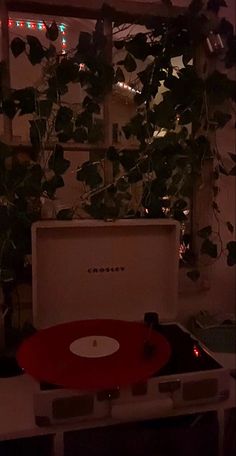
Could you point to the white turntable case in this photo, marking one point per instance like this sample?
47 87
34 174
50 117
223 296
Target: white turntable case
95 269
18 395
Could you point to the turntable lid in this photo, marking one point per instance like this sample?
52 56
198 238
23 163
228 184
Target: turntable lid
95 269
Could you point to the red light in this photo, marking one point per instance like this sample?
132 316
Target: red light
21 24
196 351
10 23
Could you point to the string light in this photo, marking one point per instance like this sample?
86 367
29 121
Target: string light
125 86
39 25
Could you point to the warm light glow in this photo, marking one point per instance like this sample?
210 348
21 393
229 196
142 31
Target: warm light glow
127 87
196 351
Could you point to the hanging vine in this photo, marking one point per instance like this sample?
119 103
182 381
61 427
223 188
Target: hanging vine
170 157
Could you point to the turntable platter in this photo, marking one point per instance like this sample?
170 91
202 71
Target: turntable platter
93 354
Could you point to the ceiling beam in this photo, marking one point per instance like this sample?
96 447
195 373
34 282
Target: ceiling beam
121 10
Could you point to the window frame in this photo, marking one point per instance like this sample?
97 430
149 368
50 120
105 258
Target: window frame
127 12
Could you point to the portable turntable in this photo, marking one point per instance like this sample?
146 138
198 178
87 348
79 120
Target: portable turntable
87 274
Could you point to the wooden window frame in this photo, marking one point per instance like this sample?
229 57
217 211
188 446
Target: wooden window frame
120 10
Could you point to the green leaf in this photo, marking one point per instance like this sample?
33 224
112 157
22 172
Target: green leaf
65 214
84 119
91 106
44 108
31 184
230 227
127 159
51 186
223 170
119 76
17 46
80 135
57 162
9 107
193 275
185 117
112 154
37 131
63 118
231 258
138 46
179 215
27 100
67 71
51 52
187 55
119 44
52 31
36 52
127 129
164 114
89 174
219 87
209 248
129 63
205 232
67 133
225 28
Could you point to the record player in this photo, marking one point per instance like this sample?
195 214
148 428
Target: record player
114 275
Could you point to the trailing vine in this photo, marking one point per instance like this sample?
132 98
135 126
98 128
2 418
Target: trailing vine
178 112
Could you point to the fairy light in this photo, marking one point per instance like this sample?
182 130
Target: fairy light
127 87
39 25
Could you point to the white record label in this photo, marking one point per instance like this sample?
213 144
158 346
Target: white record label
94 346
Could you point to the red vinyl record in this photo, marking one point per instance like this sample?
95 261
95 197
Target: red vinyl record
93 354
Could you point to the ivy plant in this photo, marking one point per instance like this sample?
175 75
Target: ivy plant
175 128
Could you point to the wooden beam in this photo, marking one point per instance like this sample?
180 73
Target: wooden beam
6 80
121 10
99 150
108 168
